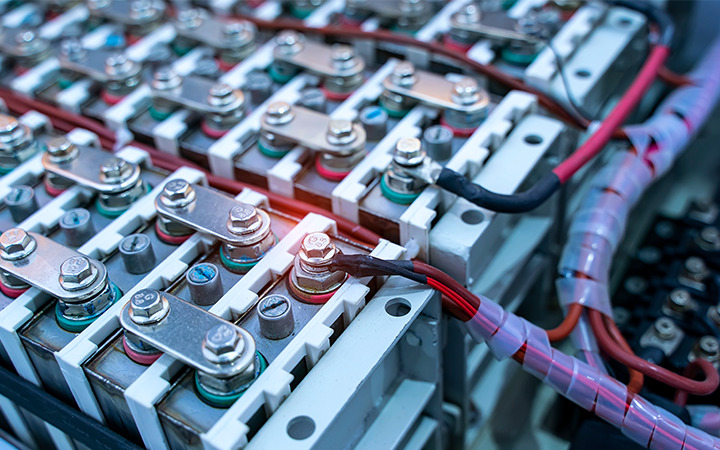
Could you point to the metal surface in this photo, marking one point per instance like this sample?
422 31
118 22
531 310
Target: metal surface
194 93
86 169
204 214
309 129
317 58
181 334
41 269
435 90
198 25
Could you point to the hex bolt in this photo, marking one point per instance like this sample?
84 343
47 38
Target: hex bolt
709 239
275 317
117 65
469 14
680 300
73 49
695 268
221 94
205 284
222 344
148 306
708 347
177 193
404 74
15 244
318 248
279 113
237 30
165 78
21 202
61 149
141 9
665 328
115 170
289 42
438 142
343 56
409 152
189 18
466 91
77 226
374 120
243 219
8 126
77 273
341 132
137 253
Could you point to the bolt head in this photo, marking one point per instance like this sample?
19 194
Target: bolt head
147 306
466 91
15 243
239 30
469 14
665 328
317 246
115 170
404 74
25 37
190 18
221 94
223 343
72 49
60 148
709 346
8 124
279 113
409 152
141 9
244 218
77 270
165 78
680 298
695 265
340 132
289 38
177 193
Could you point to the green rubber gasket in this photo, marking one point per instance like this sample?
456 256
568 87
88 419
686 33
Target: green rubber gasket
5 170
238 266
270 153
300 13
114 213
396 197
157 115
179 50
278 77
393 113
225 401
76 326
517 59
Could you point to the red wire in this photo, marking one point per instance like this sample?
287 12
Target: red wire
452 295
599 139
615 351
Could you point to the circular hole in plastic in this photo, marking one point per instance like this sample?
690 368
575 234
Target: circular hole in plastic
301 427
397 307
472 216
533 139
582 73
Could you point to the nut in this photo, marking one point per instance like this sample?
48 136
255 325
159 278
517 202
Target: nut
15 243
148 306
165 78
317 281
61 149
223 344
244 219
231 385
77 272
466 91
279 113
409 152
340 132
404 74
343 56
177 193
8 124
289 42
115 170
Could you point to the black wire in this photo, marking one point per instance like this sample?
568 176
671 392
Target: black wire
366 265
526 201
70 421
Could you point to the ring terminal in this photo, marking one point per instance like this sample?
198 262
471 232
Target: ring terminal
311 279
397 184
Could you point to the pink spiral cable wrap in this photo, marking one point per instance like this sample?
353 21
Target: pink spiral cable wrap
594 235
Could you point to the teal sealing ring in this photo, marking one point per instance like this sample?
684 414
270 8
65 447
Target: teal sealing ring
300 13
239 266
180 50
517 59
225 401
5 170
270 153
78 325
278 77
114 213
64 83
157 115
393 113
396 197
